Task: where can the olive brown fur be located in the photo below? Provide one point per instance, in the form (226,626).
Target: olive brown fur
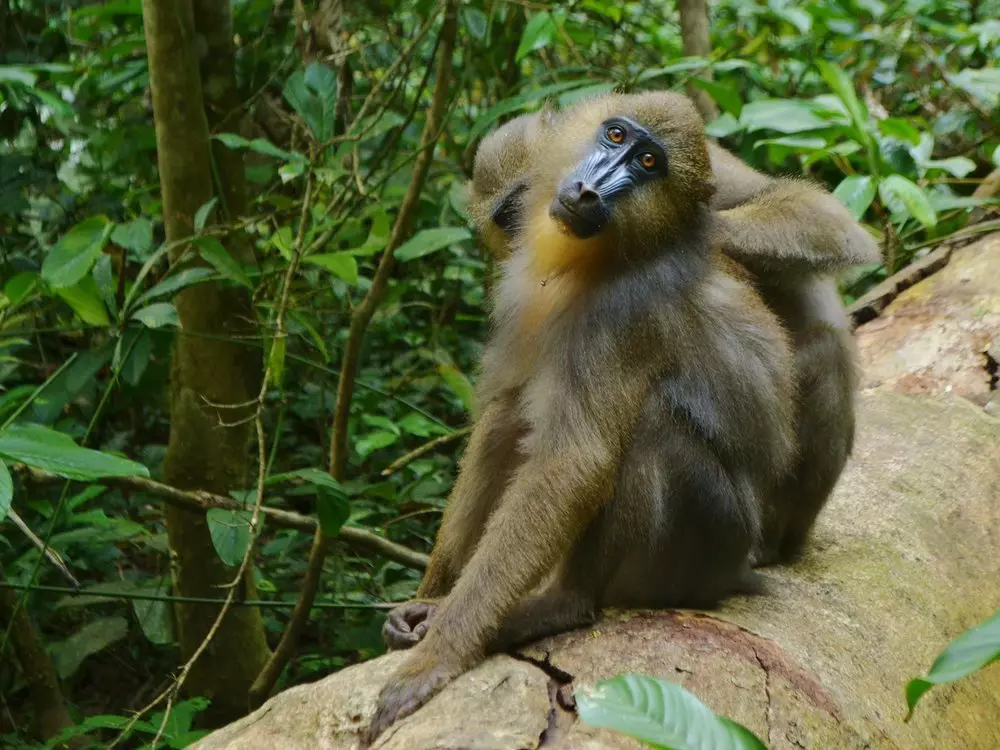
(635,405)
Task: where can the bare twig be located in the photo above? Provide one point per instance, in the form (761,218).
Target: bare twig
(53,557)
(349,365)
(424,449)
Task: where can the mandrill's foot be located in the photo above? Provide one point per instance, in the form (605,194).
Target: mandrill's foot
(422,676)
(407,624)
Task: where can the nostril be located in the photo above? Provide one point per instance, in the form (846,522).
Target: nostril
(585,193)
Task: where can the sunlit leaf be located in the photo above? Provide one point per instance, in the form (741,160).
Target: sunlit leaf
(898,192)
(19,286)
(538,33)
(135,235)
(857,193)
(982,83)
(783,115)
(157,315)
(459,385)
(85,299)
(213,251)
(896,127)
(661,714)
(17,74)
(71,257)
(968,653)
(56,453)
(957,166)
(230,532)
(428,241)
(342,265)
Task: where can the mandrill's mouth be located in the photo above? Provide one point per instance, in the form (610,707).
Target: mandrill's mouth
(575,222)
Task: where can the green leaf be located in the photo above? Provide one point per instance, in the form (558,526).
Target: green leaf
(314,476)
(230,532)
(332,510)
(982,83)
(725,96)
(378,235)
(203,212)
(428,241)
(276,360)
(6,491)
(897,127)
(85,299)
(56,453)
(956,166)
(797,17)
(71,257)
(459,385)
(722,126)
(783,115)
(968,653)
(898,192)
(857,192)
(661,714)
(213,251)
(374,441)
(157,315)
(135,235)
(289,171)
(231,140)
(19,286)
(538,33)
(342,265)
(514,103)
(92,638)
(267,148)
(17,74)
(313,95)
(156,619)
(475,21)
(843,86)
(175,282)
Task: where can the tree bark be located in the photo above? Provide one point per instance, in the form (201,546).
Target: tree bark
(695,36)
(46,698)
(202,453)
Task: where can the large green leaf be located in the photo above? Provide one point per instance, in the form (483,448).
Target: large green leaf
(857,192)
(982,83)
(783,115)
(6,491)
(55,452)
(342,265)
(135,235)
(969,652)
(661,714)
(175,282)
(213,251)
(230,532)
(459,384)
(157,315)
(19,286)
(332,511)
(428,241)
(313,94)
(71,257)
(842,85)
(85,299)
(900,193)
(538,33)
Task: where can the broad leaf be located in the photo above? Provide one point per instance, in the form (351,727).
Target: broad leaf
(92,638)
(342,265)
(969,652)
(157,315)
(213,251)
(900,193)
(429,241)
(857,193)
(85,299)
(230,531)
(55,452)
(373,441)
(842,85)
(6,491)
(982,83)
(475,22)
(538,33)
(725,96)
(313,94)
(175,282)
(956,166)
(135,235)
(332,510)
(71,257)
(459,385)
(156,618)
(661,714)
(19,286)
(783,115)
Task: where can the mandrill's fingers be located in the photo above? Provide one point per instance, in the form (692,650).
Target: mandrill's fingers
(408,690)
(407,624)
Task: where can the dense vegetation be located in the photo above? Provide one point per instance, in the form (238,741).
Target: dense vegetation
(895,105)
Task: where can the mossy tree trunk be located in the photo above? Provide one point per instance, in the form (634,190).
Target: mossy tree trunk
(208,446)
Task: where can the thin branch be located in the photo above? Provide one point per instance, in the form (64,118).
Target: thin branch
(349,365)
(359,539)
(424,449)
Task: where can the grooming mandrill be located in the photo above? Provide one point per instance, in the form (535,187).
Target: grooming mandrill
(790,235)
(635,404)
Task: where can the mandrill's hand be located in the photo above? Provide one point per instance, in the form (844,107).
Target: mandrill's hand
(407,624)
(423,675)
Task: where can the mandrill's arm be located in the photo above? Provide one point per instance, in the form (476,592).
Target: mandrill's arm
(551,498)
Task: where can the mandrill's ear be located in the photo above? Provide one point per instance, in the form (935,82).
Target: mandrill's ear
(507,210)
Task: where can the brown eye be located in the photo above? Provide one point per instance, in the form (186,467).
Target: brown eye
(647,160)
(616,134)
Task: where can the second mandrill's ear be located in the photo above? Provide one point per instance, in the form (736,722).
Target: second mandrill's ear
(507,210)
